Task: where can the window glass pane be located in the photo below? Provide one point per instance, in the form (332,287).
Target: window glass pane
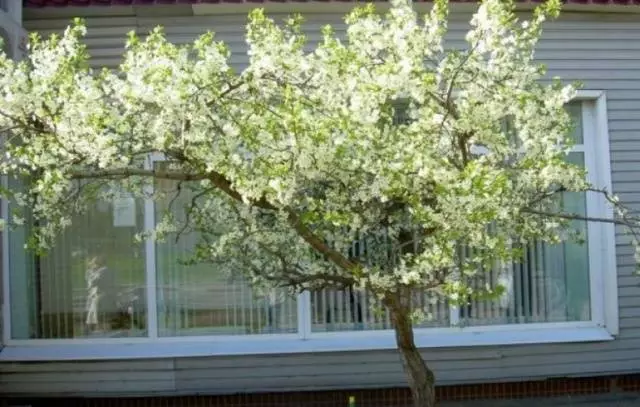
(90,284)
(6,45)
(401,112)
(197,299)
(550,284)
(576,261)
(575,111)
(354,310)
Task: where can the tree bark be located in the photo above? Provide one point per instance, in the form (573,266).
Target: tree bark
(421,379)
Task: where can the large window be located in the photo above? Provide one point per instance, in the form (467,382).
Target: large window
(98,283)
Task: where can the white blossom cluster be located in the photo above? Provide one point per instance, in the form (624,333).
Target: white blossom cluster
(295,161)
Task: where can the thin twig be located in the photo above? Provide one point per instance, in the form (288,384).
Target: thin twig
(575,216)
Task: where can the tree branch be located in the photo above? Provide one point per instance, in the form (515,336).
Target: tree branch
(135,172)
(319,245)
(222,183)
(188,212)
(575,216)
(291,278)
(291,275)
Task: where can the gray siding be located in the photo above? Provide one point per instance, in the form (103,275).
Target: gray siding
(600,50)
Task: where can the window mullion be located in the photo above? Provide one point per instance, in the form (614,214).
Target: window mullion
(454,309)
(454,315)
(304,314)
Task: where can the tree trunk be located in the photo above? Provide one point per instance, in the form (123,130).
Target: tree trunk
(420,377)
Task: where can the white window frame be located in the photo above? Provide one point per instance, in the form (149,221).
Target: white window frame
(603,325)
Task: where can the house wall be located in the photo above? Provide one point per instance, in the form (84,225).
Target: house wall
(601,50)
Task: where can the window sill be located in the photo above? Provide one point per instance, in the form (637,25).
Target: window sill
(144,348)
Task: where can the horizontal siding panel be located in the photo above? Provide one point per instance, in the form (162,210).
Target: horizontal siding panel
(632,322)
(132,374)
(624,249)
(631,290)
(621,95)
(632,105)
(631,281)
(375,366)
(563,65)
(626,187)
(629,196)
(105,62)
(632,311)
(116,34)
(281,361)
(68,388)
(630,302)
(621,178)
(390,356)
(626,145)
(622,233)
(630,333)
(89,366)
(238,21)
(624,166)
(626,261)
(93,23)
(617,136)
(342,380)
(533,372)
(611,54)
(588,73)
(291,383)
(107,53)
(625,113)
(627,266)
(628,270)
(445,357)
(620,187)
(540,362)
(607,84)
(591,45)
(553,32)
(515,352)
(623,156)
(116,42)
(312,370)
